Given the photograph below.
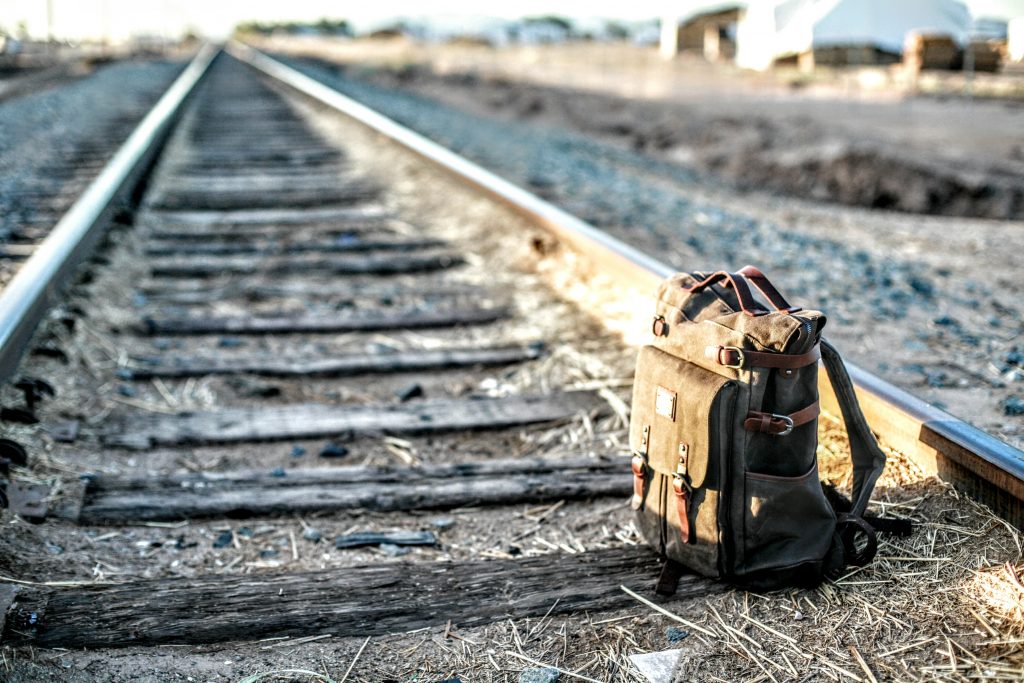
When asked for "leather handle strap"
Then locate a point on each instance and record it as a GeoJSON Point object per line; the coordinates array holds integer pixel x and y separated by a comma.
{"type": "Point", "coordinates": [738, 284]}
{"type": "Point", "coordinates": [754, 275]}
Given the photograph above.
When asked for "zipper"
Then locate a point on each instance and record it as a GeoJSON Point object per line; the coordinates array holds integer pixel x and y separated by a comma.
{"type": "Point", "coordinates": [723, 435]}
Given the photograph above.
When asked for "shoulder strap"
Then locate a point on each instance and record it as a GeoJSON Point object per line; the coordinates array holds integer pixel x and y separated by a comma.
{"type": "Point", "coordinates": [868, 458]}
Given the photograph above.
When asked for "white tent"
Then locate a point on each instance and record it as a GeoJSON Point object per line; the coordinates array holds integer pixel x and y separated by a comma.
{"type": "Point", "coordinates": [770, 30]}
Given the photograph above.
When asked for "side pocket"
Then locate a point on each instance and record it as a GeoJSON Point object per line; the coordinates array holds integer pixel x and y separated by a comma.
{"type": "Point", "coordinates": [788, 521]}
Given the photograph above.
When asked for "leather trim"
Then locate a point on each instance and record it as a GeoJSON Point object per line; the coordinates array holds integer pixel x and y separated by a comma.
{"type": "Point", "coordinates": [637, 465]}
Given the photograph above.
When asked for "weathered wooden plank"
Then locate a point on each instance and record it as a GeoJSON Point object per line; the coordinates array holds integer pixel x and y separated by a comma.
{"type": "Point", "coordinates": [200, 292]}
{"type": "Point", "coordinates": [365, 488]}
{"type": "Point", "coordinates": [316, 420]}
{"type": "Point", "coordinates": [321, 323]}
{"type": "Point", "coordinates": [353, 601]}
{"type": "Point", "coordinates": [344, 244]}
{"type": "Point", "coordinates": [349, 193]}
{"type": "Point", "coordinates": [256, 218]}
{"type": "Point", "coordinates": [337, 366]}
{"type": "Point", "coordinates": [211, 266]}
{"type": "Point", "coordinates": [271, 158]}
{"type": "Point", "coordinates": [215, 182]}
{"type": "Point", "coordinates": [349, 474]}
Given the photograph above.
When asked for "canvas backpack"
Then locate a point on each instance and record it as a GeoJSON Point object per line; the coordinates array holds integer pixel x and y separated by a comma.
{"type": "Point", "coordinates": [723, 432]}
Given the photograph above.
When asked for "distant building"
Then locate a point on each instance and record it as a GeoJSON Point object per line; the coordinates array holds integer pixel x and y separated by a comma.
{"type": "Point", "coordinates": [1015, 38]}
{"type": "Point", "coordinates": [761, 33]}
{"type": "Point", "coordinates": [710, 32]}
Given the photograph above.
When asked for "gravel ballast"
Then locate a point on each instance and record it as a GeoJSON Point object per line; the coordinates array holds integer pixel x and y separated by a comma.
{"type": "Point", "coordinates": [79, 124]}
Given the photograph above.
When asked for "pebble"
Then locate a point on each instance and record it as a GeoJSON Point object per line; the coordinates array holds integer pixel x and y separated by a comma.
{"type": "Point", "coordinates": [312, 534]}
{"type": "Point", "coordinates": [267, 554]}
{"type": "Point", "coordinates": [922, 286]}
{"type": "Point", "coordinates": [254, 388]}
{"type": "Point", "coordinates": [126, 390]}
{"type": "Point", "coordinates": [442, 523]}
{"type": "Point", "coordinates": [1013, 406]}
{"type": "Point", "coordinates": [223, 540]}
{"type": "Point", "coordinates": [53, 548]}
{"type": "Point", "coordinates": [230, 342]}
{"type": "Point", "coordinates": [539, 675]}
{"type": "Point", "coordinates": [392, 550]}
{"type": "Point", "coordinates": [333, 450]}
{"type": "Point", "coordinates": [674, 634]}
{"type": "Point", "coordinates": [410, 392]}
{"type": "Point", "coordinates": [181, 544]}
{"type": "Point", "coordinates": [278, 472]}
{"type": "Point", "coordinates": [298, 451]}
{"type": "Point", "coordinates": [365, 538]}
{"type": "Point", "coordinates": [245, 532]}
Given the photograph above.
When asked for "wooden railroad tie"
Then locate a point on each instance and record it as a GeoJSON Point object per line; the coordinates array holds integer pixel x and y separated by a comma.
{"type": "Point", "coordinates": [240, 220]}
{"type": "Point", "coordinates": [354, 601]}
{"type": "Point", "coordinates": [213, 266]}
{"type": "Point", "coordinates": [349, 193]}
{"type": "Point", "coordinates": [314, 323]}
{"type": "Point", "coordinates": [317, 420]}
{"type": "Point", "coordinates": [108, 500]}
{"type": "Point", "coordinates": [343, 245]}
{"type": "Point", "coordinates": [277, 365]}
{"type": "Point", "coordinates": [192, 292]}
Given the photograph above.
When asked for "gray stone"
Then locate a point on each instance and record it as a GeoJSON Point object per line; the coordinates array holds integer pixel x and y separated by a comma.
{"type": "Point", "coordinates": [540, 675]}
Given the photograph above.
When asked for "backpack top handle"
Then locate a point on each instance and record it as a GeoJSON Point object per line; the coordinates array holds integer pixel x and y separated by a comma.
{"type": "Point", "coordinates": [739, 285]}
{"type": "Point", "coordinates": [754, 275]}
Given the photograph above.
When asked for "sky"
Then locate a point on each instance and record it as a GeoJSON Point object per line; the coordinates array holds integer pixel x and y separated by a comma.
{"type": "Point", "coordinates": [75, 19]}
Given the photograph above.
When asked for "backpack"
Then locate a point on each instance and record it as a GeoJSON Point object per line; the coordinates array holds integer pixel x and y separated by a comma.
{"type": "Point", "coordinates": [723, 432]}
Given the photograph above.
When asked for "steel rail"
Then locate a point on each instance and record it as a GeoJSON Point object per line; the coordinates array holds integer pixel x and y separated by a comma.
{"type": "Point", "coordinates": [979, 464]}
{"type": "Point", "coordinates": [39, 281]}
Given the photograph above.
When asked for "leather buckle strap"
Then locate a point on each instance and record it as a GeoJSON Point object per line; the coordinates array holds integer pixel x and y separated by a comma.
{"type": "Point", "coordinates": [639, 475]}
{"type": "Point", "coordinates": [682, 490]}
{"type": "Point", "coordinates": [780, 425]}
{"type": "Point", "coordinates": [735, 357]}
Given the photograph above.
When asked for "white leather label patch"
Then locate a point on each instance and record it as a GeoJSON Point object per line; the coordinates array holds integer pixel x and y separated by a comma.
{"type": "Point", "coordinates": [665, 403]}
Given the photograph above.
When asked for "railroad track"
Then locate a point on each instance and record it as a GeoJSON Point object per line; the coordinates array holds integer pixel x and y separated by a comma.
{"type": "Point", "coordinates": [318, 392]}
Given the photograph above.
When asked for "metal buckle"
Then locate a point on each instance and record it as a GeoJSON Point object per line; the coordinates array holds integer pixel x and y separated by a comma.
{"type": "Point", "coordinates": [739, 354]}
{"type": "Point", "coordinates": [789, 424]}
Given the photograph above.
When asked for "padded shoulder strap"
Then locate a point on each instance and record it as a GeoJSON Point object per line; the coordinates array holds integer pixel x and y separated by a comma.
{"type": "Point", "coordinates": [868, 458]}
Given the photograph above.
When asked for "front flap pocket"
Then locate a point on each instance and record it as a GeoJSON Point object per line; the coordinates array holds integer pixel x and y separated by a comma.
{"type": "Point", "coordinates": [675, 416]}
